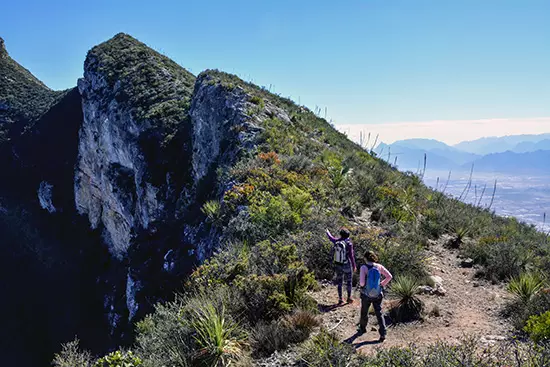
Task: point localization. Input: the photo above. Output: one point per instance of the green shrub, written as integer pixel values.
(297, 163)
(224, 267)
(410, 307)
(163, 339)
(325, 350)
(506, 260)
(267, 338)
(538, 327)
(314, 249)
(525, 287)
(72, 356)
(268, 297)
(258, 101)
(394, 357)
(119, 359)
(220, 340)
(212, 210)
(270, 258)
(280, 213)
(401, 258)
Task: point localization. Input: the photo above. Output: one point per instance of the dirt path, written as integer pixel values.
(469, 307)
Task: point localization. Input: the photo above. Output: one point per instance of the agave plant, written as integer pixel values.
(409, 307)
(212, 209)
(525, 286)
(219, 339)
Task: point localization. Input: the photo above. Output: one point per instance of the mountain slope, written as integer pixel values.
(23, 98)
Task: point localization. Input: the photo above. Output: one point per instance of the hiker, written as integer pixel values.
(343, 261)
(372, 292)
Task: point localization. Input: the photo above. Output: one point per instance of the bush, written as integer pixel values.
(297, 163)
(119, 359)
(401, 258)
(538, 327)
(507, 260)
(277, 335)
(410, 307)
(219, 339)
(466, 353)
(72, 356)
(324, 350)
(270, 297)
(163, 339)
(525, 287)
(223, 267)
(212, 210)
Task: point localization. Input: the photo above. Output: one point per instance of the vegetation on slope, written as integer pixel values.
(303, 177)
(22, 96)
(159, 88)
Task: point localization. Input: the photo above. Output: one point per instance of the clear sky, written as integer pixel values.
(402, 68)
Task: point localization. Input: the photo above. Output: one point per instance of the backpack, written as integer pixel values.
(372, 288)
(340, 253)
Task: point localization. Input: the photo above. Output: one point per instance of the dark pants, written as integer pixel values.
(343, 271)
(377, 304)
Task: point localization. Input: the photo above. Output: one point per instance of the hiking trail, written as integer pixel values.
(469, 307)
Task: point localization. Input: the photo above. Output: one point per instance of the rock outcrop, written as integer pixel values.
(114, 174)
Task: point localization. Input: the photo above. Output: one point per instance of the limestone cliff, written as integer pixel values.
(132, 154)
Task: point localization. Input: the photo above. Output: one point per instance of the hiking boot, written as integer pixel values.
(350, 300)
(382, 338)
(340, 302)
(361, 330)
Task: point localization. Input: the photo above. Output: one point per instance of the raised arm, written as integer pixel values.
(330, 237)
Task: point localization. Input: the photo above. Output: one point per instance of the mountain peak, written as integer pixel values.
(124, 58)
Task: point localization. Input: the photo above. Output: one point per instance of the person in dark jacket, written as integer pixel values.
(345, 267)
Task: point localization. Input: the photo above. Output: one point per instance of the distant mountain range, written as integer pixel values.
(501, 154)
(502, 144)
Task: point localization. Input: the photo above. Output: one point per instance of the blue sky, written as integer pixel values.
(376, 65)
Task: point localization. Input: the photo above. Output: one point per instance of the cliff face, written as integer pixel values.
(151, 148)
(112, 176)
(121, 136)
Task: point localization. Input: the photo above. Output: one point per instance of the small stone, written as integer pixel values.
(467, 263)
(435, 280)
(440, 291)
(426, 289)
(476, 284)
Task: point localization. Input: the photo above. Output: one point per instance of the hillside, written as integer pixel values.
(218, 190)
(23, 98)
